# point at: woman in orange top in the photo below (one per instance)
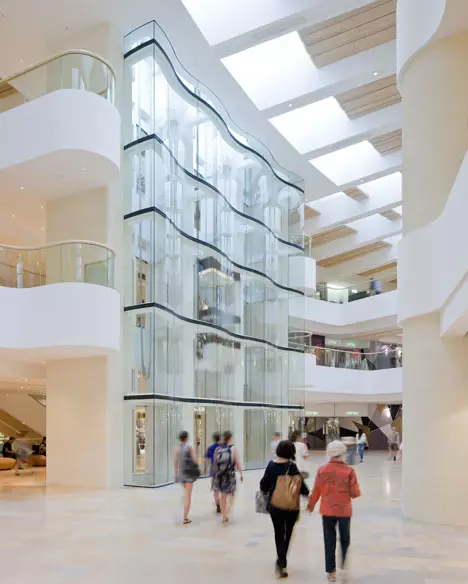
(336, 484)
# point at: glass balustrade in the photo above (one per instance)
(331, 292)
(70, 261)
(73, 69)
(361, 359)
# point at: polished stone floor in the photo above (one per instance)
(132, 536)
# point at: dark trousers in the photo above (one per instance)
(283, 523)
(329, 536)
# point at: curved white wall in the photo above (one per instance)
(421, 21)
(438, 250)
(376, 313)
(332, 384)
(417, 22)
(63, 142)
(60, 320)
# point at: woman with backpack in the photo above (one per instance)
(186, 471)
(283, 484)
(225, 463)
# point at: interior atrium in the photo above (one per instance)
(236, 219)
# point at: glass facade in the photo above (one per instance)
(208, 217)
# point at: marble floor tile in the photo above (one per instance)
(132, 536)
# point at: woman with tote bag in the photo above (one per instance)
(283, 485)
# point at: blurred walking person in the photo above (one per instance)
(225, 463)
(393, 444)
(210, 458)
(302, 454)
(274, 444)
(186, 471)
(336, 485)
(283, 499)
(361, 444)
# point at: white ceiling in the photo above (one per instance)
(252, 56)
(266, 49)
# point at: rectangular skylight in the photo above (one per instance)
(391, 183)
(313, 125)
(274, 71)
(349, 164)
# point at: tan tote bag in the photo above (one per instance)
(287, 493)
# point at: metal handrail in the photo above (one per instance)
(353, 351)
(55, 58)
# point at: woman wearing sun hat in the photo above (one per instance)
(335, 484)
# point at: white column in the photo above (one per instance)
(84, 419)
(434, 86)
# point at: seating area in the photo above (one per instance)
(7, 463)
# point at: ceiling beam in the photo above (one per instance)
(369, 230)
(283, 19)
(383, 194)
(359, 265)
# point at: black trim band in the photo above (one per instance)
(210, 107)
(143, 306)
(210, 401)
(196, 240)
(202, 181)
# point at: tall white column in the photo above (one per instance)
(434, 86)
(84, 419)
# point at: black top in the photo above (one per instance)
(7, 448)
(276, 469)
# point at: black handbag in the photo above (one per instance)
(191, 468)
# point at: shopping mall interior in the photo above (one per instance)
(231, 216)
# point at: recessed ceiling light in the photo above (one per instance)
(84, 168)
(22, 387)
(42, 206)
(375, 73)
(21, 188)
(42, 228)
(289, 104)
(13, 215)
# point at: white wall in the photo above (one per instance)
(57, 320)
(47, 142)
(352, 318)
(441, 268)
(25, 409)
(84, 423)
(352, 382)
(302, 273)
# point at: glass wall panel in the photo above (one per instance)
(210, 226)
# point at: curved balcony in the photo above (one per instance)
(58, 301)
(375, 314)
(60, 129)
(63, 261)
(335, 375)
(173, 109)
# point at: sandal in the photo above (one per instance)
(187, 521)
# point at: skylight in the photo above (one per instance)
(313, 125)
(349, 164)
(390, 182)
(273, 72)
